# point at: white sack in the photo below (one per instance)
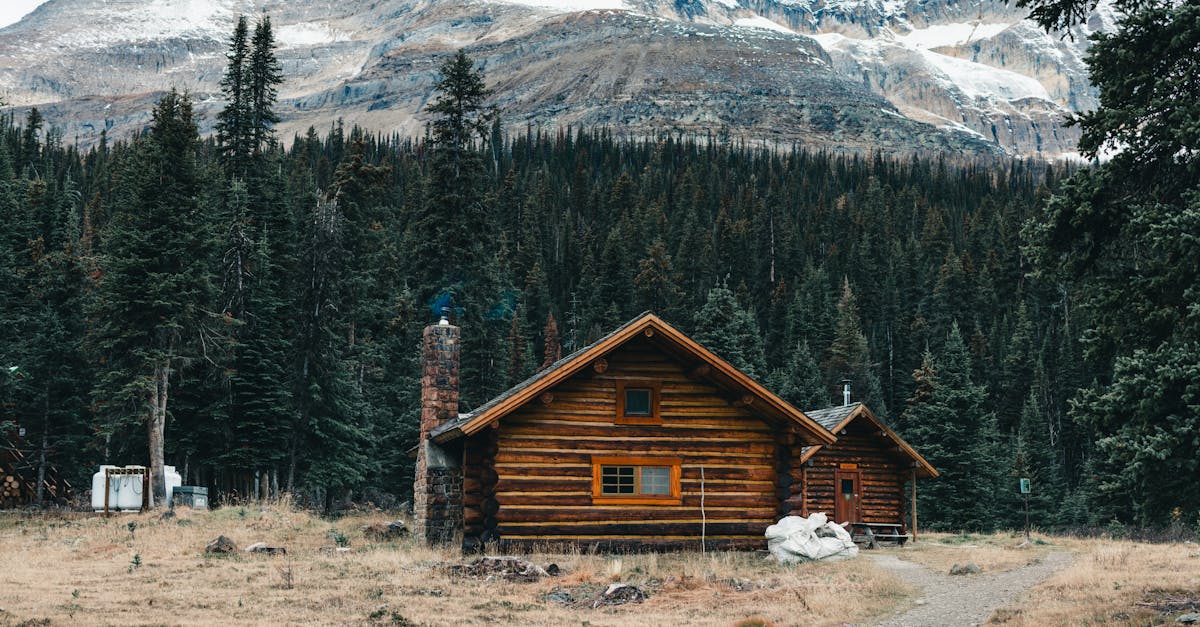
(795, 539)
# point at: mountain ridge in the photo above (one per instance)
(854, 75)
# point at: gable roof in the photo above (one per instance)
(666, 337)
(839, 417)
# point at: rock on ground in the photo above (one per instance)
(385, 532)
(221, 545)
(965, 569)
(263, 547)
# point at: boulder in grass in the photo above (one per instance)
(263, 547)
(1189, 619)
(965, 569)
(620, 594)
(385, 532)
(221, 546)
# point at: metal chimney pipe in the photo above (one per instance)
(845, 392)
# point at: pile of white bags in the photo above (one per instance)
(795, 539)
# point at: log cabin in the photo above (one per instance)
(641, 440)
(860, 479)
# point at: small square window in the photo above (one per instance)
(637, 401)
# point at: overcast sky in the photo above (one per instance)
(13, 10)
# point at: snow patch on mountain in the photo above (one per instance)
(956, 34)
(761, 22)
(571, 6)
(306, 34)
(983, 81)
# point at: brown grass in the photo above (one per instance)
(1114, 583)
(82, 569)
(993, 553)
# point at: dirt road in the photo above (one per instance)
(961, 600)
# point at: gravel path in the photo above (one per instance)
(963, 599)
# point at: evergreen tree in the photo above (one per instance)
(553, 351)
(849, 356)
(155, 285)
(731, 332)
(1034, 458)
(263, 76)
(657, 282)
(948, 422)
(800, 384)
(233, 121)
(1121, 234)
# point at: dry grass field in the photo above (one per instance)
(138, 569)
(1114, 583)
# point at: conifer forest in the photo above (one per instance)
(248, 307)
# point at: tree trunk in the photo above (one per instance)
(155, 427)
(41, 474)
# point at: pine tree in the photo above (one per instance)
(657, 282)
(849, 356)
(731, 332)
(155, 284)
(1114, 233)
(233, 121)
(947, 421)
(801, 382)
(263, 75)
(553, 350)
(1034, 458)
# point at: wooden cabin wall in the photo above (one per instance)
(479, 490)
(883, 475)
(544, 465)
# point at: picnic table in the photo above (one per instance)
(871, 534)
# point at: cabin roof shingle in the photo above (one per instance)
(831, 417)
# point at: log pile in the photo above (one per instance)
(13, 491)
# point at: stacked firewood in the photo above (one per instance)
(12, 491)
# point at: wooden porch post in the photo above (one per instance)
(914, 505)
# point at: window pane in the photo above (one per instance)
(847, 486)
(616, 480)
(637, 402)
(656, 480)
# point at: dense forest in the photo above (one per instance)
(255, 305)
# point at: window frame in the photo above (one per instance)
(676, 473)
(652, 418)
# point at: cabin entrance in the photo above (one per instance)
(846, 506)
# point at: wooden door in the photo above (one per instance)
(846, 507)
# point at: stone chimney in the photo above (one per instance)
(437, 484)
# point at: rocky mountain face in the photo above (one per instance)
(856, 75)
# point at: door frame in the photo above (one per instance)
(853, 510)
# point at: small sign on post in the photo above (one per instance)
(1026, 489)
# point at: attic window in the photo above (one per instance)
(636, 480)
(638, 403)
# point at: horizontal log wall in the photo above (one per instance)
(544, 466)
(882, 477)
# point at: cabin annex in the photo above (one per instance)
(861, 478)
(644, 439)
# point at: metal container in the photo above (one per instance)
(192, 496)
